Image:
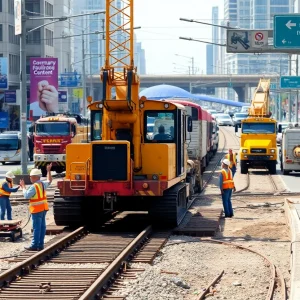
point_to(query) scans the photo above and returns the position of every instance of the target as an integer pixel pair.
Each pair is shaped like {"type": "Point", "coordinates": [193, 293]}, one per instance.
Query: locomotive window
{"type": "Point", "coordinates": [194, 114]}
{"type": "Point", "coordinates": [96, 125]}
{"type": "Point", "coordinates": [159, 127]}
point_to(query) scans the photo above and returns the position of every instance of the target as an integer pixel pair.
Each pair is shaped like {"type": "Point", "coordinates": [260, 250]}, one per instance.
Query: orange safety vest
{"type": "Point", "coordinates": [228, 182]}
{"type": "Point", "coordinates": [4, 193]}
{"type": "Point", "coordinates": [38, 202]}
{"type": "Point", "coordinates": [233, 161]}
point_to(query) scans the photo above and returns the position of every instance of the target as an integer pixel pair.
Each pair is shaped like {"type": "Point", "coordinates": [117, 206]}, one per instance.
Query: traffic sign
{"type": "Point", "coordinates": [290, 82]}
{"type": "Point", "coordinates": [287, 31]}
{"type": "Point", "coordinates": [246, 41]}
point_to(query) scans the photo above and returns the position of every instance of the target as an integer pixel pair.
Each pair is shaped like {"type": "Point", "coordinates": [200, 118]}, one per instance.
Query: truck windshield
{"type": "Point", "coordinates": [53, 128]}
{"type": "Point", "coordinates": [8, 144]}
{"type": "Point", "coordinates": [258, 128]}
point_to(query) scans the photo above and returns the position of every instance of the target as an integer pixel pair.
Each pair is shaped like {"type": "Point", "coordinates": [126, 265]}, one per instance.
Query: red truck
{"type": "Point", "coordinates": [52, 135]}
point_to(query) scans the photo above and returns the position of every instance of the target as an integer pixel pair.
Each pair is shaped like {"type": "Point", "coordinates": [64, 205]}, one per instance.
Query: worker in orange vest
{"type": "Point", "coordinates": [226, 187]}
{"type": "Point", "coordinates": [6, 188]}
{"type": "Point", "coordinates": [233, 162]}
{"type": "Point", "coordinates": [38, 206]}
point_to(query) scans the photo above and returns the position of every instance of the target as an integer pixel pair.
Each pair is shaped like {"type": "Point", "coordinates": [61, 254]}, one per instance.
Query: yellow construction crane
{"type": "Point", "coordinates": [137, 156]}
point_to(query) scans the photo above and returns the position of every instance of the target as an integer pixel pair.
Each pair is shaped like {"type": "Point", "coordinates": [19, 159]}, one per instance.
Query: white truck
{"type": "Point", "coordinates": [290, 150]}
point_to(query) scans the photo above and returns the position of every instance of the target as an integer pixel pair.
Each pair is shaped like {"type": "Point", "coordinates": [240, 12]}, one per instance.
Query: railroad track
{"type": "Point", "coordinates": [221, 152]}
{"type": "Point", "coordinates": [53, 273]}
{"type": "Point", "coordinates": [252, 175]}
{"type": "Point", "coordinates": [276, 279]}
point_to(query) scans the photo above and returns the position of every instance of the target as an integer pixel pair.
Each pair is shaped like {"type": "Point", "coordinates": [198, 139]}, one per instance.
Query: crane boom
{"type": "Point", "coordinates": [260, 105]}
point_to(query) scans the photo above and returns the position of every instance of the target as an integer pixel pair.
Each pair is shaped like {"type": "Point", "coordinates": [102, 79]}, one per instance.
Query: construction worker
{"type": "Point", "coordinates": [232, 158]}
{"type": "Point", "coordinates": [226, 187]}
{"type": "Point", "coordinates": [6, 188]}
{"type": "Point", "coordinates": [38, 206]}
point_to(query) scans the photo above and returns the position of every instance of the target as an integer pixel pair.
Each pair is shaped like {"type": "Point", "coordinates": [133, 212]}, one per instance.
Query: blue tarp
{"type": "Point", "coordinates": [165, 91]}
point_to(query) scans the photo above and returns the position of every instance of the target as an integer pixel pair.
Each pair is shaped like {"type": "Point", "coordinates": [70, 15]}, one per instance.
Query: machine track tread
{"type": "Point", "coordinates": [68, 212]}
{"type": "Point", "coordinates": [169, 209]}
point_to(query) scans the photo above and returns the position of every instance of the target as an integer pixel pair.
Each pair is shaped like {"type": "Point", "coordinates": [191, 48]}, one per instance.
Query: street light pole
{"type": "Point", "coordinates": [23, 91]}
{"type": "Point", "coordinates": [83, 75]}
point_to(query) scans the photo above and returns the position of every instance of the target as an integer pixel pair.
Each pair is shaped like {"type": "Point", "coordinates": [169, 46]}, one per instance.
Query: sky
{"type": "Point", "coordinates": [161, 29]}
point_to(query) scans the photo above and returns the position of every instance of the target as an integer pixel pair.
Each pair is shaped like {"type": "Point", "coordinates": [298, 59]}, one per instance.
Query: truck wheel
{"type": "Point", "coordinates": [244, 168]}
{"type": "Point", "coordinates": [285, 172]}
{"type": "Point", "coordinates": [272, 167]}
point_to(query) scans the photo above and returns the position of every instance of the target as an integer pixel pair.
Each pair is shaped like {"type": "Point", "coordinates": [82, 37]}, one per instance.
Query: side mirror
{"type": "Point", "coordinates": [279, 128]}
{"type": "Point", "coordinates": [236, 128]}
{"type": "Point", "coordinates": [189, 124]}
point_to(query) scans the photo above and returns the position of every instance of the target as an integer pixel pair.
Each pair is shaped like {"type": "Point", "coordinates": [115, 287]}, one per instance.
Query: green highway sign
{"type": "Point", "coordinates": [286, 31]}
{"type": "Point", "coordinates": [290, 82]}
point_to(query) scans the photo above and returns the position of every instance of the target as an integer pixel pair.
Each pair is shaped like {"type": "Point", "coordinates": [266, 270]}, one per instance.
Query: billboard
{"type": "Point", "coordinates": [18, 16]}
{"type": "Point", "coordinates": [10, 97]}
{"type": "Point", "coordinates": [3, 73]}
{"type": "Point", "coordinates": [43, 85]}
{"type": "Point", "coordinates": [246, 41]}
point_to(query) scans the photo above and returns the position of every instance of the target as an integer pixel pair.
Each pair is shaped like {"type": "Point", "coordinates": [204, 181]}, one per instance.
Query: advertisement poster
{"type": "Point", "coordinates": [18, 16]}
{"type": "Point", "coordinates": [3, 73]}
{"type": "Point", "coordinates": [10, 97]}
{"type": "Point", "coordinates": [3, 120]}
{"type": "Point", "coordinates": [43, 85]}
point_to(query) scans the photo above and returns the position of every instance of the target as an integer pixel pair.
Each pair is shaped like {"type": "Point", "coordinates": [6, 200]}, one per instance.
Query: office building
{"type": "Point", "coordinates": [39, 43]}
{"type": "Point", "coordinates": [91, 32]}
{"type": "Point", "coordinates": [209, 60]}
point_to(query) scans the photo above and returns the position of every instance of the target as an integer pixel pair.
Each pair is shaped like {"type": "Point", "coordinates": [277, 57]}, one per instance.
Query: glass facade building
{"type": "Point", "coordinates": [255, 14]}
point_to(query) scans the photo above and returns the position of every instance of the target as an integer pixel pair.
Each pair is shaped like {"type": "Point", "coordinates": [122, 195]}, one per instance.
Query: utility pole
{"type": "Point", "coordinates": [193, 67]}
{"type": "Point", "coordinates": [23, 90]}
{"type": "Point", "coordinates": [297, 92]}
{"type": "Point", "coordinates": [290, 100]}
{"type": "Point", "coordinates": [83, 74]}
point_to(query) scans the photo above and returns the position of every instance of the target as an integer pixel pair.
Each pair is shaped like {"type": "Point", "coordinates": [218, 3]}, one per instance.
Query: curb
{"type": "Point", "coordinates": [294, 223]}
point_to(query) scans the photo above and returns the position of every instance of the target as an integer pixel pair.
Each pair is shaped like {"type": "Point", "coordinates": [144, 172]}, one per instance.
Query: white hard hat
{"type": "Point", "coordinates": [10, 175]}
{"type": "Point", "coordinates": [226, 162]}
{"type": "Point", "coordinates": [35, 172]}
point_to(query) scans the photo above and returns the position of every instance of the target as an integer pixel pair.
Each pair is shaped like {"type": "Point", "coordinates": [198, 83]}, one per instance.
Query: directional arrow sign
{"type": "Point", "coordinates": [290, 82]}
{"type": "Point", "coordinates": [287, 31]}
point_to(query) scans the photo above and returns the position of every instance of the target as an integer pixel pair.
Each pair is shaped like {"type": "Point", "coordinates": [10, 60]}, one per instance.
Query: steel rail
{"type": "Point", "coordinates": [30, 263]}
{"type": "Point", "coordinates": [106, 278]}
{"type": "Point", "coordinates": [216, 279]}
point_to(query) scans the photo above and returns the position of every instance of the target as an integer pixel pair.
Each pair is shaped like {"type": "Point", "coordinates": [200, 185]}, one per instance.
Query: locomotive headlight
{"type": "Point", "coordinates": [154, 177]}
{"type": "Point", "coordinates": [77, 177]}
{"type": "Point", "coordinates": [244, 150]}
{"type": "Point", "coordinates": [166, 105]}
{"type": "Point", "coordinates": [100, 105]}
{"type": "Point", "coordinates": [272, 150]}
{"type": "Point", "coordinates": [142, 105]}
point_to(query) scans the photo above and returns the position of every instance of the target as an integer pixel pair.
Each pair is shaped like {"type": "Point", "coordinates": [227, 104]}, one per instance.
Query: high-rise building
{"type": "Point", "coordinates": [209, 60]}
{"type": "Point", "coordinates": [255, 14]}
{"type": "Point", "coordinates": [91, 32]}
{"type": "Point", "coordinates": [215, 38]}
{"type": "Point", "coordinates": [41, 42]}
{"type": "Point", "coordinates": [139, 58]}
